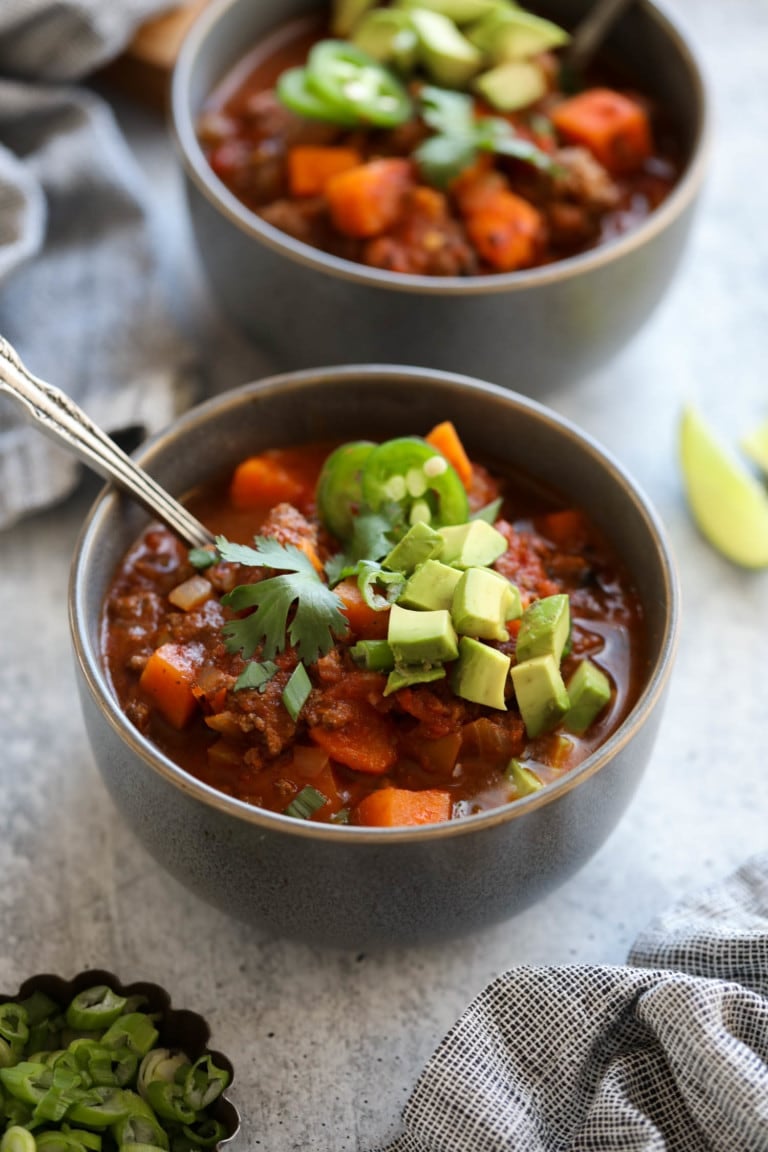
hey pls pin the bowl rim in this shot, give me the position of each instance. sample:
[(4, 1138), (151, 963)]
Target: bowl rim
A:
[(89, 661), (213, 190)]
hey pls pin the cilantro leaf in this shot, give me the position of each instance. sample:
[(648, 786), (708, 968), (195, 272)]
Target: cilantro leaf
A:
[(459, 137), (316, 619), (371, 540), (255, 675)]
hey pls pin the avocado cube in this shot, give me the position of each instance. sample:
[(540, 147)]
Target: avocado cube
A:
[(589, 690), (544, 628), (448, 57), (541, 694), (460, 11), (476, 544), (481, 674), (346, 13), (513, 85), (420, 543), (480, 604), (525, 781), (421, 637), (387, 35), (511, 33), (430, 587)]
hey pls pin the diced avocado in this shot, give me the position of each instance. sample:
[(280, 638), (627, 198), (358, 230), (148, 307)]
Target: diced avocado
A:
[(408, 674), (448, 57), (510, 33), (544, 628), (508, 87), (430, 587), (421, 637), (375, 655), (511, 596), (460, 11), (346, 13), (541, 695), (473, 545), (525, 781), (420, 543), (387, 35), (480, 604), (481, 673), (589, 690)]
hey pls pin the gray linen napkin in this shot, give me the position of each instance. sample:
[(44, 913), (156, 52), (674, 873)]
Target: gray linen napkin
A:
[(80, 294), (667, 1054)]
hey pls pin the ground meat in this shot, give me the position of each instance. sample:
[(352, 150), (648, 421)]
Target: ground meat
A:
[(266, 118), (426, 240), (289, 526), (258, 718)]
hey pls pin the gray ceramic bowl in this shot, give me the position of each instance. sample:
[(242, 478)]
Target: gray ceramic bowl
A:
[(357, 886), (529, 330)]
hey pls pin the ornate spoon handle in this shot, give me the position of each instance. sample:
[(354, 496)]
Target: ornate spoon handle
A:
[(64, 422)]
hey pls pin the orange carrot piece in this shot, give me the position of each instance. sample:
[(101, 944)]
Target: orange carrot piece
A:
[(393, 807), (476, 185), (168, 678), (366, 742), (507, 232), (366, 201), (614, 128), (262, 481), (364, 622), (445, 439), (310, 168)]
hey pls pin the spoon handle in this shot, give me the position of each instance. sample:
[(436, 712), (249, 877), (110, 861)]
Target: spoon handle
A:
[(590, 33), (62, 420)]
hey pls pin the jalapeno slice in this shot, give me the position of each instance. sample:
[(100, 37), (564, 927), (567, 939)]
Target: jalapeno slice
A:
[(409, 472), (345, 76), (340, 487), (294, 90)]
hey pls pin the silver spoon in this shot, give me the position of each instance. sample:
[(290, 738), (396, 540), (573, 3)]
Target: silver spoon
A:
[(64, 422), (589, 34)]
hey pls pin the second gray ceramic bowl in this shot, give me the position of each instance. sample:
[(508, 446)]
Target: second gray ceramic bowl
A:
[(351, 886), (529, 330)]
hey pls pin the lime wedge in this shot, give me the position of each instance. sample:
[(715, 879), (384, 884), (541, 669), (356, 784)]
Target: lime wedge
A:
[(755, 446), (728, 503)]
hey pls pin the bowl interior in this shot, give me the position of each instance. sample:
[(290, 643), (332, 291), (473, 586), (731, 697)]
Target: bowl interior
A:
[(644, 42), (353, 402)]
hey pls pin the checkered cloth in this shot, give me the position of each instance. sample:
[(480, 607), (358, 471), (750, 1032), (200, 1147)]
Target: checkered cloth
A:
[(667, 1054), (80, 292)]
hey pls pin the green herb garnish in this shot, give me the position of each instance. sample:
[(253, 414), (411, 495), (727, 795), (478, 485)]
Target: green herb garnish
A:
[(297, 691), (459, 137), (255, 675), (306, 803), (202, 558), (316, 619)]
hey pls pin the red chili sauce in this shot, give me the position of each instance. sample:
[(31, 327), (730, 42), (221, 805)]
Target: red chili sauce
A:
[(350, 740), (498, 215)]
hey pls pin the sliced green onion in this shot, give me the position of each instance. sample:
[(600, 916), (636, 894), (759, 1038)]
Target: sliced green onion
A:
[(340, 817), (93, 1008), (296, 691), (160, 1064), (255, 675), (26, 1081), (205, 1133), (204, 1083), (168, 1101), (17, 1139), (489, 512), (308, 801), (89, 1140), (202, 558), (374, 655), (39, 1007), (100, 1107), (134, 1031), (14, 1023)]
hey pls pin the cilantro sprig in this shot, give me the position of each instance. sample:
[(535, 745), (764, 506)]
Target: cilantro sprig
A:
[(459, 136), (294, 607)]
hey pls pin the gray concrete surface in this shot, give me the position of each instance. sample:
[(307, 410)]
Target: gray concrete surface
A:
[(328, 1045)]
